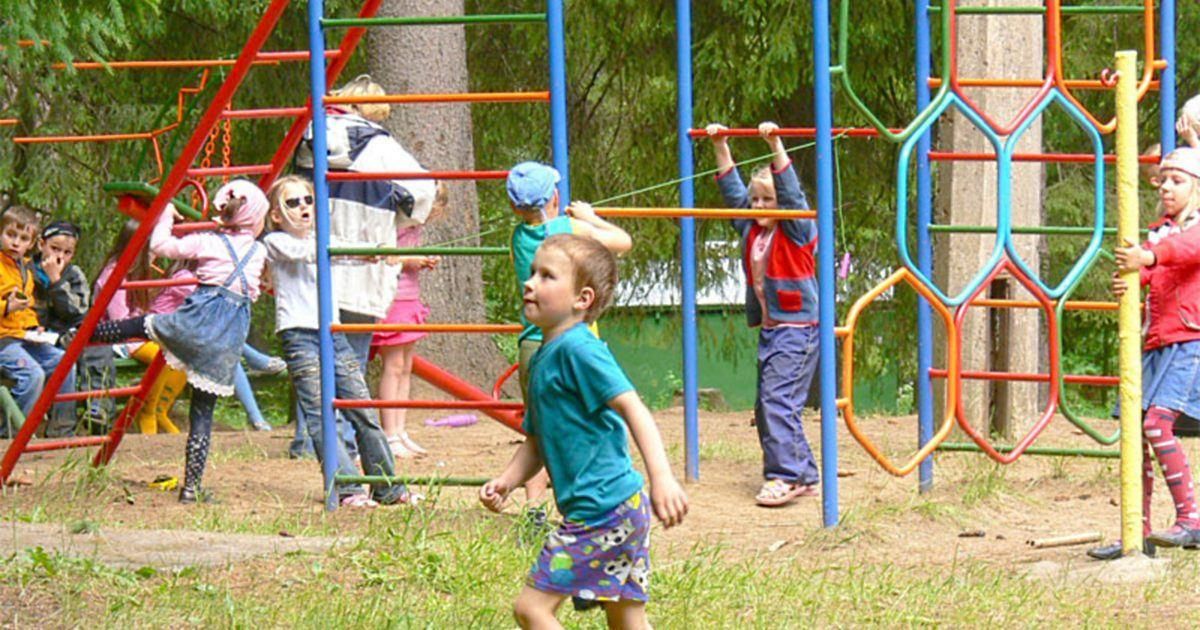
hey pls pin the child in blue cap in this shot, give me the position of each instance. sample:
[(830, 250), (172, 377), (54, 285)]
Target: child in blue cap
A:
[(533, 192)]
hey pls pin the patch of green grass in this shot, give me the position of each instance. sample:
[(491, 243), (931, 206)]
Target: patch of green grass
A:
[(984, 483), (730, 451)]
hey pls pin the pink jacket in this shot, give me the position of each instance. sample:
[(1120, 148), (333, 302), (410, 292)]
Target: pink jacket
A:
[(215, 262)]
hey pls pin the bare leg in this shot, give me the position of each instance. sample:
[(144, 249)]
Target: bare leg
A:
[(537, 609), (389, 389), (627, 615), (535, 488)]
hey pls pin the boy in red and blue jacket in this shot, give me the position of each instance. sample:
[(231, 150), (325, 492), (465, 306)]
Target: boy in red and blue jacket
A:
[(781, 298)]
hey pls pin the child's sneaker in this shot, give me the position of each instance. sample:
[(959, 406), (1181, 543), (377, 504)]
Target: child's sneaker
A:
[(275, 365), (358, 501), (192, 494)]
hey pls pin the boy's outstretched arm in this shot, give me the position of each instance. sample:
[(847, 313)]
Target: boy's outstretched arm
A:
[(525, 463), (666, 495), (588, 223), (720, 147)]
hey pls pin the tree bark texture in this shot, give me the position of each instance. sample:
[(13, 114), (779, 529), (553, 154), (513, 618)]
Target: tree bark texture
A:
[(428, 59)]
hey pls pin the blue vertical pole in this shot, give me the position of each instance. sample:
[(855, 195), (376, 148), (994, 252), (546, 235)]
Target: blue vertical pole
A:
[(316, 75), (924, 253), (556, 32), (687, 240), (823, 107), (1166, 92)]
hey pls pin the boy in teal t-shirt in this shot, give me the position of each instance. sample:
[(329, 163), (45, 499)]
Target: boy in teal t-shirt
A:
[(581, 405)]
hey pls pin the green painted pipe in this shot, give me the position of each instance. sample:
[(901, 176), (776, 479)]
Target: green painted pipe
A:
[(10, 412), (142, 189), (1035, 450), (412, 481), (418, 251), (426, 20), (1009, 10)]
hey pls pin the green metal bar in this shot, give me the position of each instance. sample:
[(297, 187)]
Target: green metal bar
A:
[(511, 18), (1010, 10), (411, 481), (10, 413), (1034, 450), (143, 189), (418, 251), (1017, 229)]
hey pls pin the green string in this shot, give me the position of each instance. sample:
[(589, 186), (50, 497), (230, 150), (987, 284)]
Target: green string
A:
[(465, 238)]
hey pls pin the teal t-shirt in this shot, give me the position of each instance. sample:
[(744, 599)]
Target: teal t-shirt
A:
[(583, 442), (525, 241)]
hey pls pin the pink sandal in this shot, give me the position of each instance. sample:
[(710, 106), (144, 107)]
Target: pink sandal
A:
[(776, 492), (358, 501)]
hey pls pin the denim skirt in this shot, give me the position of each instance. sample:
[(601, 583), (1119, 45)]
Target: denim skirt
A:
[(204, 337), (1171, 378)]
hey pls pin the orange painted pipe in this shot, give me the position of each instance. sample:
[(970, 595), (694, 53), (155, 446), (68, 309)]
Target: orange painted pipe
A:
[(435, 328), (705, 213), (107, 137), (793, 132), (1079, 84), (266, 58), (8, 121), (1080, 305), (467, 97)]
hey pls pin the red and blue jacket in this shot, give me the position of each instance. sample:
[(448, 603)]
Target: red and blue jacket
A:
[(1172, 285), (790, 282)]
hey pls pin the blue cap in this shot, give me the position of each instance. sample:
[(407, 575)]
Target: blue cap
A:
[(531, 185)]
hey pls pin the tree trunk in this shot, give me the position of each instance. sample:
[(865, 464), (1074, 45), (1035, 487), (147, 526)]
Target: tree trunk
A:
[(427, 59)]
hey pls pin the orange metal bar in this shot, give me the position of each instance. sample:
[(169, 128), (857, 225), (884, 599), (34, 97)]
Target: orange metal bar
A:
[(438, 328), (500, 405), (58, 445), (266, 58), (268, 112), (1074, 305), (1029, 377), (8, 121), (468, 97), (705, 213), (103, 137), (793, 132)]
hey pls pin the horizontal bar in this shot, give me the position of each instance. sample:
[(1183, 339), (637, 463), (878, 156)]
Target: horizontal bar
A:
[(512, 18), (1102, 9), (58, 445), (100, 137), (160, 283), (266, 112), (437, 328), (1034, 450), (8, 121), (465, 97), (117, 392), (1071, 305), (1079, 158), (352, 176), (1018, 229), (225, 171), (263, 58), (418, 251), (411, 481), (193, 226), (705, 213), (1074, 84), (148, 191), (340, 403), (793, 132), (1024, 377)]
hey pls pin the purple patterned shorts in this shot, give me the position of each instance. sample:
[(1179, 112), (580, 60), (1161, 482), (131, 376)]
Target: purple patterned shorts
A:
[(606, 561)]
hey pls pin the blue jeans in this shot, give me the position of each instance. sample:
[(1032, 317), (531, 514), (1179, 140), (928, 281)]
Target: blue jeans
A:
[(361, 345), (302, 351), (241, 383), (27, 364), (787, 360)]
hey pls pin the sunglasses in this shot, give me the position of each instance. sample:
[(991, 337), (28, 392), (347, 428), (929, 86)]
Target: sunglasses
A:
[(295, 202)]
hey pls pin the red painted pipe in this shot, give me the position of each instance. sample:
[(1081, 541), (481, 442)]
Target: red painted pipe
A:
[(170, 185), (266, 112), (1075, 158), (119, 392), (1026, 377), (340, 403), (224, 171), (343, 176), (459, 388), (499, 384), (58, 445), (133, 285), (794, 132)]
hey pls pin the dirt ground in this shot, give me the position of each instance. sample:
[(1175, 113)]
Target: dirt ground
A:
[(976, 510)]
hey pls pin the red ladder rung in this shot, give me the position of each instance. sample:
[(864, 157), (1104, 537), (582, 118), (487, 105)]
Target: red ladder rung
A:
[(116, 392), (58, 445), (341, 403)]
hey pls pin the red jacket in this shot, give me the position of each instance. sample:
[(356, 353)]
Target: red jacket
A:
[(1173, 293)]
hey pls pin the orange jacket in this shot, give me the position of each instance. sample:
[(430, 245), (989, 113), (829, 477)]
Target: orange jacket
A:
[(15, 277)]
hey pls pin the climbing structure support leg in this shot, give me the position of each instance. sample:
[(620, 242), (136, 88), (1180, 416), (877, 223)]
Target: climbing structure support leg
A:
[(687, 239)]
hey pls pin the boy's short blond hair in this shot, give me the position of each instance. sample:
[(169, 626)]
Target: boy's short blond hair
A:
[(21, 216), (592, 265), (364, 85)]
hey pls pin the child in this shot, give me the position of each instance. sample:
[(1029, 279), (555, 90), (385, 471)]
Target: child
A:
[(292, 252), (397, 348), (1169, 266), (781, 298), (576, 417), (1188, 124), (533, 193), (26, 356), (204, 337)]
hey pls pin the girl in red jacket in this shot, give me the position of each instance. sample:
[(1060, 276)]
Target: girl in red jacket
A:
[(1169, 263)]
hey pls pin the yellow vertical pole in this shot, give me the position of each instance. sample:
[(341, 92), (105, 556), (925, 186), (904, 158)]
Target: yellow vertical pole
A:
[(1129, 326)]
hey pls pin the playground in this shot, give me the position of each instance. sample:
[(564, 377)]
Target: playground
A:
[(974, 414)]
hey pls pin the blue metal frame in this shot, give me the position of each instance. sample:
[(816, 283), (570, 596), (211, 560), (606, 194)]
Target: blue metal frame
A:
[(924, 250), (556, 34), (316, 75), (687, 239), (823, 109), (1166, 92)]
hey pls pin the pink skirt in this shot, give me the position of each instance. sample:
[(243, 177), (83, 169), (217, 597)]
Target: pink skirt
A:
[(402, 312)]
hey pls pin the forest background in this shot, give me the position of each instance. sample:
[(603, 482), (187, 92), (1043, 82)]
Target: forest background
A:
[(752, 63)]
